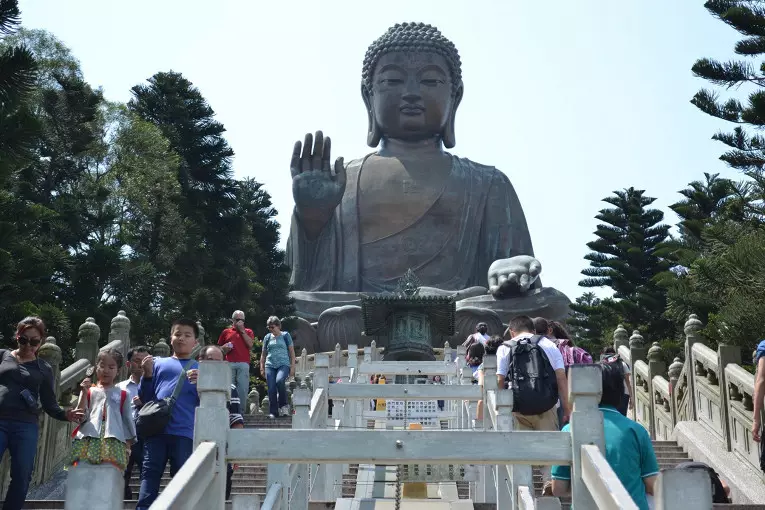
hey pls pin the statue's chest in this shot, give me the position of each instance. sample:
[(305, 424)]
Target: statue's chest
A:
[(391, 198)]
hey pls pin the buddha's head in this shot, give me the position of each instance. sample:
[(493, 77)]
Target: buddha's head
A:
[(412, 85)]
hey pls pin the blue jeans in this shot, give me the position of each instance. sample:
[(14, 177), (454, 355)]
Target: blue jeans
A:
[(240, 377), (20, 439), (276, 379), (157, 450)]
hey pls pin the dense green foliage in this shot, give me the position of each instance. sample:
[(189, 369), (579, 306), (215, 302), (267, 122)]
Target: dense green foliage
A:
[(107, 206)]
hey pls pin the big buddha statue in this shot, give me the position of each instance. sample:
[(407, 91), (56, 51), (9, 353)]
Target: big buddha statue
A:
[(357, 227)]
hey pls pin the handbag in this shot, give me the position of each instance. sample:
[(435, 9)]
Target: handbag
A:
[(154, 416)]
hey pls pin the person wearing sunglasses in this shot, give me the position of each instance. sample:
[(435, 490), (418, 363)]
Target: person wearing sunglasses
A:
[(25, 380)]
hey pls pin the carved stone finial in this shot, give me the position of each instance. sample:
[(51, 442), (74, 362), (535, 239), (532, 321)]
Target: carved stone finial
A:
[(447, 346), (89, 332), (51, 340), (51, 353), (655, 352), (621, 337), (409, 285), (119, 329), (161, 349), (675, 369), (692, 325), (636, 340)]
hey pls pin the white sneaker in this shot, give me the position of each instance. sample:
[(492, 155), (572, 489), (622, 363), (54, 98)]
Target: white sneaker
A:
[(271, 416), (284, 411)]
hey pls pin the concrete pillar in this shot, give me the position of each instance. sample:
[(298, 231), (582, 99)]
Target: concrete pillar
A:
[(585, 390), (691, 329), (82, 491), (300, 421), (506, 488), (211, 424), (683, 488)]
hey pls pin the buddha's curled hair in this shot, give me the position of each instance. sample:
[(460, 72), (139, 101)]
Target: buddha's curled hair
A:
[(410, 37)]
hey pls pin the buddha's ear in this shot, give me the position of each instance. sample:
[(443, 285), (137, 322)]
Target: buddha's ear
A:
[(448, 135), (373, 130)]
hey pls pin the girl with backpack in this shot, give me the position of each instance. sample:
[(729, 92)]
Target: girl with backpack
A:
[(108, 431), (572, 355)]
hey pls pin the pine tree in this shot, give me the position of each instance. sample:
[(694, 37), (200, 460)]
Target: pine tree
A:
[(592, 321), (624, 258), (746, 152), (230, 257)]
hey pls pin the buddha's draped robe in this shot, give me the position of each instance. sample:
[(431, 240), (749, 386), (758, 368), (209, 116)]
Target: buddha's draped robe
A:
[(476, 220)]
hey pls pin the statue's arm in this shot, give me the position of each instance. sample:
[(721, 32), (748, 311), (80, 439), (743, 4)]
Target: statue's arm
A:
[(311, 259)]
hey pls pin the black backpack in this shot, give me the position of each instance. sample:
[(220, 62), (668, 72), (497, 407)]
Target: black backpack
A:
[(531, 377)]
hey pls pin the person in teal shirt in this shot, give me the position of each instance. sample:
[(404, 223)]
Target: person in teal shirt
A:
[(629, 450)]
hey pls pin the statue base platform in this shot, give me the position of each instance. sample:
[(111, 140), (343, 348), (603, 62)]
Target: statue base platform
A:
[(329, 318)]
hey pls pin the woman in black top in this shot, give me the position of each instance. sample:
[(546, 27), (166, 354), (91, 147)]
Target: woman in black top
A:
[(24, 380)]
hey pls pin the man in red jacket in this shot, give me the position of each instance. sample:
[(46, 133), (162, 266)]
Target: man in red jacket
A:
[(236, 343)]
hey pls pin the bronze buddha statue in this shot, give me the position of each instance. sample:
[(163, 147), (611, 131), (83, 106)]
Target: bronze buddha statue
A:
[(459, 225)]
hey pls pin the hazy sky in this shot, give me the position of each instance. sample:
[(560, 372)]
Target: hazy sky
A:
[(572, 100)]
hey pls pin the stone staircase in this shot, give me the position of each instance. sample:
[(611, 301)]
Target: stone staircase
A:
[(248, 479)]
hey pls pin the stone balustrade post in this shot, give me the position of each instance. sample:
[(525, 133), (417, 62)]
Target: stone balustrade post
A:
[(682, 488), (466, 378), (82, 491), (447, 352), (486, 488), (47, 451), (303, 362), (726, 354), (202, 338), (211, 424), (88, 336), (507, 488), (119, 329), (375, 353), (638, 352), (656, 366), (621, 337), (326, 474), (161, 349), (692, 336), (585, 390), (674, 371), (337, 356), (253, 402), (367, 355), (301, 421)]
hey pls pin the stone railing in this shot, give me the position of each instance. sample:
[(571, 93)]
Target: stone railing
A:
[(307, 467), (54, 444), (703, 388), (339, 357)]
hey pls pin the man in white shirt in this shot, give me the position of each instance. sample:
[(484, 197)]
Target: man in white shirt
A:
[(520, 328), (523, 327)]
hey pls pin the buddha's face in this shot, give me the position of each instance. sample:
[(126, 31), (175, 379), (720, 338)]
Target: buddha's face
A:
[(411, 95)]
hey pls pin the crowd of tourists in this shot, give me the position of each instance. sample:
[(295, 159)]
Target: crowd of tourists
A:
[(142, 423), (147, 420), (533, 358)]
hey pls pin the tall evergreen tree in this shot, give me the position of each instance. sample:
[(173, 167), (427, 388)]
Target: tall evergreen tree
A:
[(228, 257), (18, 72), (624, 258), (592, 321)]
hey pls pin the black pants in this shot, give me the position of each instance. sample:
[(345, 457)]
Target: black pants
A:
[(229, 474), (136, 459)]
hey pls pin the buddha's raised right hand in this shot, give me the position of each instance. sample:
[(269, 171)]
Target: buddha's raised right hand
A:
[(317, 186)]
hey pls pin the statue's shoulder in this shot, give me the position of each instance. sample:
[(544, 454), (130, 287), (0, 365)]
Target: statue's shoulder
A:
[(487, 172)]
